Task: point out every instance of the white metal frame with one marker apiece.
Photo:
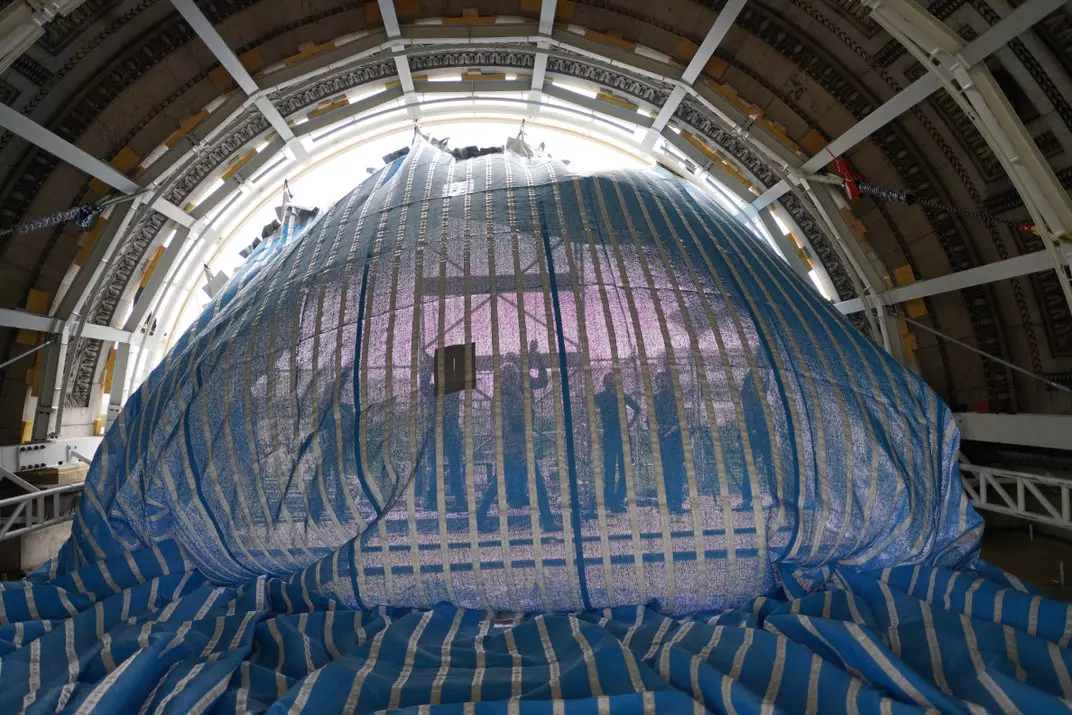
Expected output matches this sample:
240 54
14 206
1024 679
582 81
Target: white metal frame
237 70
974 89
547 24
1016 22
721 27
1041 498
1023 265
548 39
30 511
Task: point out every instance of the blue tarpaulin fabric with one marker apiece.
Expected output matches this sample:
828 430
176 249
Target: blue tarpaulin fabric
490 435
142 632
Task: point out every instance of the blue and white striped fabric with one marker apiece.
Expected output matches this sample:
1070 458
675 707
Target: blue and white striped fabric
141 633
503 385
406 443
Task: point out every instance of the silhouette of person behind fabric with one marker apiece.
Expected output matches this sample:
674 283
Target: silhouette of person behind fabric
670 447
511 394
613 451
454 484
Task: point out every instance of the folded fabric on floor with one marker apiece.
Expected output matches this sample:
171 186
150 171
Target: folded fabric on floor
142 633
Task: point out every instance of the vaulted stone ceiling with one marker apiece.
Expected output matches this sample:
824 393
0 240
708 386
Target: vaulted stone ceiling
117 78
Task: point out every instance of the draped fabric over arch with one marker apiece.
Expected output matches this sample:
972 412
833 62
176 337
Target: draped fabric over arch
499 386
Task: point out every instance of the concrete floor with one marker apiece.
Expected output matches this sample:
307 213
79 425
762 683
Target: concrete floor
25 553
1037 562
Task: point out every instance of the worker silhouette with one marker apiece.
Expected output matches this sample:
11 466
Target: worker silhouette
515 463
454 483
670 446
613 452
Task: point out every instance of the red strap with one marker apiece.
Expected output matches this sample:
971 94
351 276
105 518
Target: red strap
848 176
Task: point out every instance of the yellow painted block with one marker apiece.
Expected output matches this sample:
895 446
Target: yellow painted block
220 78
407 8
372 14
908 338
804 257
109 372
472 75
98 425
469 19
27 431
252 60
903 275
728 166
716 67
911 345
397 83
531 6
564 10
614 99
150 267
185 127
778 132
684 50
37 302
307 50
237 164
125 162
329 106
814 142
33 376
915 308
696 142
609 39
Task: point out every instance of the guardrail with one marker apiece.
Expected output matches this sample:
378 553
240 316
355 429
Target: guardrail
37 507
1041 498
36 510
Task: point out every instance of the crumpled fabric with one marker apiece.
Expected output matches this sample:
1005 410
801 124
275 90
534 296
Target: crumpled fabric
142 632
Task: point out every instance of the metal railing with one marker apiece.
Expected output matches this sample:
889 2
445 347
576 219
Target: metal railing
37 508
1041 498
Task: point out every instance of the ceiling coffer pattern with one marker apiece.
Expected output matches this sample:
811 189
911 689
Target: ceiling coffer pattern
649 91
293 99
83 356
521 57
907 147
243 130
